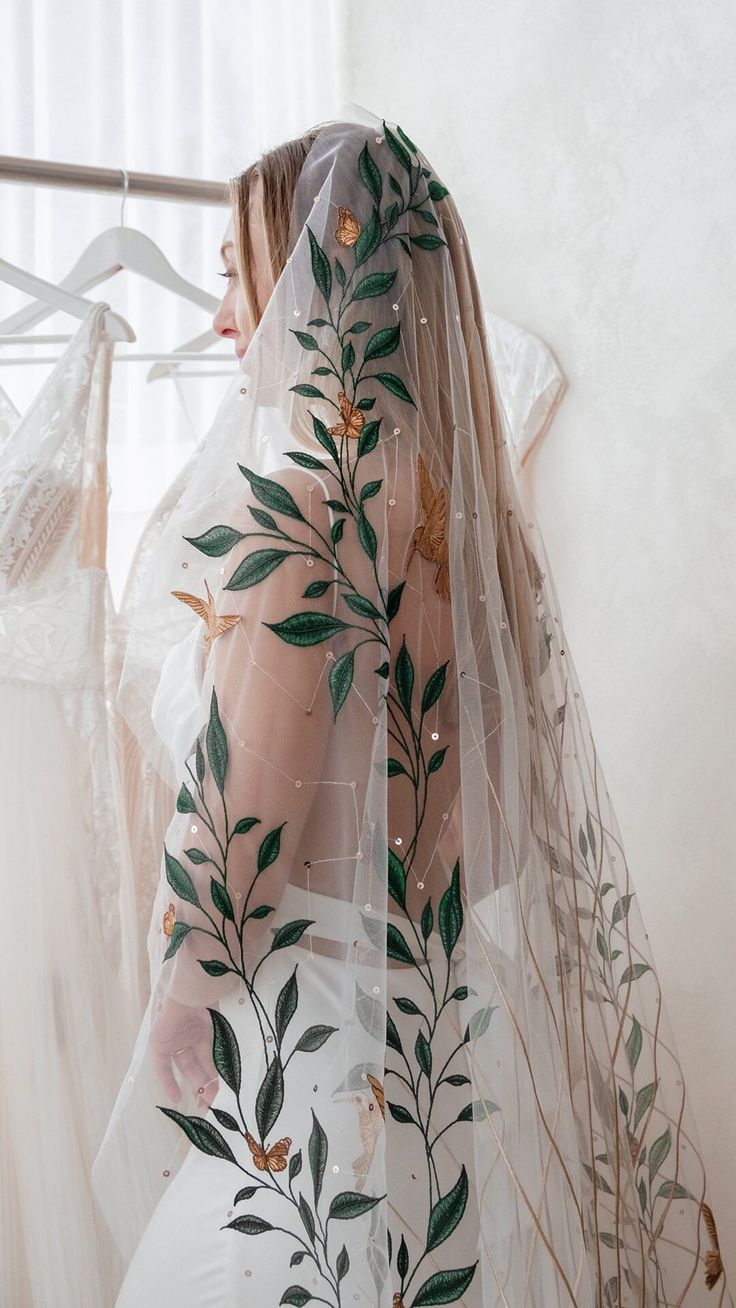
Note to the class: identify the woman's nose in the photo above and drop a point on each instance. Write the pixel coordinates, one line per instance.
(224, 320)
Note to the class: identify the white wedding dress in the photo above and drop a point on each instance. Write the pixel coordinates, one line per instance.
(68, 999)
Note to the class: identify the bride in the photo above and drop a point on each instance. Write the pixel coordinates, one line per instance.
(405, 1044)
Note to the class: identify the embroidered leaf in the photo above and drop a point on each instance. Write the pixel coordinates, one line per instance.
(322, 435)
(598, 1179)
(322, 372)
(434, 687)
(357, 328)
(221, 899)
(177, 935)
(374, 284)
(450, 915)
(317, 1157)
(306, 341)
(395, 186)
(427, 241)
(305, 460)
(644, 1098)
(405, 246)
(203, 1135)
(370, 174)
(382, 343)
(262, 911)
(248, 1225)
(350, 1204)
(289, 933)
(393, 1040)
(243, 825)
(658, 1152)
(197, 856)
(479, 1022)
(408, 1006)
(405, 678)
(213, 967)
(633, 1044)
(634, 972)
(307, 628)
(368, 438)
(262, 518)
(362, 606)
(295, 1165)
(318, 322)
(286, 1005)
(270, 1097)
(216, 745)
(393, 384)
(402, 1259)
(392, 215)
(348, 356)
(225, 1051)
(367, 536)
(370, 489)
(314, 1037)
(336, 530)
(400, 1114)
(217, 541)
(437, 760)
(396, 946)
(423, 1054)
(179, 879)
(307, 1217)
(341, 679)
(199, 756)
(478, 1111)
(394, 600)
(246, 1193)
(226, 1119)
(366, 403)
(447, 1212)
(437, 191)
(184, 802)
(320, 266)
(399, 150)
(461, 993)
(406, 139)
(272, 494)
(295, 1295)
(340, 275)
(369, 239)
(396, 877)
(621, 908)
(428, 217)
(342, 1265)
(309, 391)
(457, 1080)
(427, 920)
(256, 567)
(383, 670)
(338, 506)
(270, 847)
(672, 1190)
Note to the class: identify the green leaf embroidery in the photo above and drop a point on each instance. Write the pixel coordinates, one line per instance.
(444, 1287)
(322, 435)
(313, 1039)
(423, 1054)
(296, 1295)
(437, 759)
(213, 967)
(320, 266)
(270, 1097)
(225, 1051)
(658, 1152)
(216, 745)
(309, 391)
(434, 687)
(289, 933)
(341, 679)
(306, 341)
(450, 915)
(203, 1135)
(374, 284)
(249, 1225)
(197, 856)
(394, 600)
(447, 1212)
(393, 384)
(368, 438)
(179, 932)
(179, 879)
(256, 567)
(370, 174)
(405, 678)
(362, 606)
(427, 242)
(357, 328)
(217, 541)
(382, 343)
(243, 825)
(399, 150)
(185, 802)
(262, 518)
(369, 239)
(367, 536)
(350, 1204)
(396, 878)
(437, 191)
(317, 1156)
(427, 920)
(348, 356)
(307, 628)
(226, 1119)
(272, 494)
(270, 847)
(286, 1004)
(342, 1266)
(305, 460)
(633, 1044)
(221, 899)
(396, 946)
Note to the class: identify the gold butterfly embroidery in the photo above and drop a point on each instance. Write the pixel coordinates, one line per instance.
(353, 419)
(430, 536)
(397, 1301)
(348, 227)
(215, 623)
(269, 1160)
(713, 1263)
(169, 920)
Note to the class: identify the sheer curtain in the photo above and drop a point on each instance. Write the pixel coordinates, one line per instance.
(181, 87)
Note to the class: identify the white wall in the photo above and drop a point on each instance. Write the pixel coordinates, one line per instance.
(591, 150)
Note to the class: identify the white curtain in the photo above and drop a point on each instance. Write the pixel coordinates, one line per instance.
(182, 87)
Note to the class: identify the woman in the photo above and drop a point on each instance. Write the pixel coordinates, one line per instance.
(405, 1031)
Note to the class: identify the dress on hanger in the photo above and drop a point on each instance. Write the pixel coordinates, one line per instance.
(68, 998)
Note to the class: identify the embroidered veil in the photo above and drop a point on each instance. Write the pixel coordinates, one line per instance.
(404, 1012)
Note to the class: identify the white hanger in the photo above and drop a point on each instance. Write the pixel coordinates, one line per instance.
(57, 297)
(114, 250)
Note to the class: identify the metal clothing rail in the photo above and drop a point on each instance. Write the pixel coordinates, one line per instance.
(83, 177)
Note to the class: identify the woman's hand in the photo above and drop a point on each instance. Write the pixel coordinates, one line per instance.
(181, 1039)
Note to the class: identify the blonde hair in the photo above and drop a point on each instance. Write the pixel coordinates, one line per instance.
(279, 171)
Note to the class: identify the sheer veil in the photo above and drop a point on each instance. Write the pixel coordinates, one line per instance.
(388, 763)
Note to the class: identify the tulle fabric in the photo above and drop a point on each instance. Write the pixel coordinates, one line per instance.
(68, 997)
(386, 777)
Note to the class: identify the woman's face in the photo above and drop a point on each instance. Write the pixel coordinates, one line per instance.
(233, 319)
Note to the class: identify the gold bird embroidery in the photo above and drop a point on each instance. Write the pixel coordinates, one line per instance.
(370, 1126)
(353, 419)
(377, 1089)
(430, 536)
(348, 227)
(713, 1263)
(269, 1160)
(216, 624)
(169, 920)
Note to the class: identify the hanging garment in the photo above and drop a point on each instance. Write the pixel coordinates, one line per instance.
(406, 1044)
(67, 1000)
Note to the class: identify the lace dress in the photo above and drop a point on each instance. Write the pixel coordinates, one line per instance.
(68, 1001)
